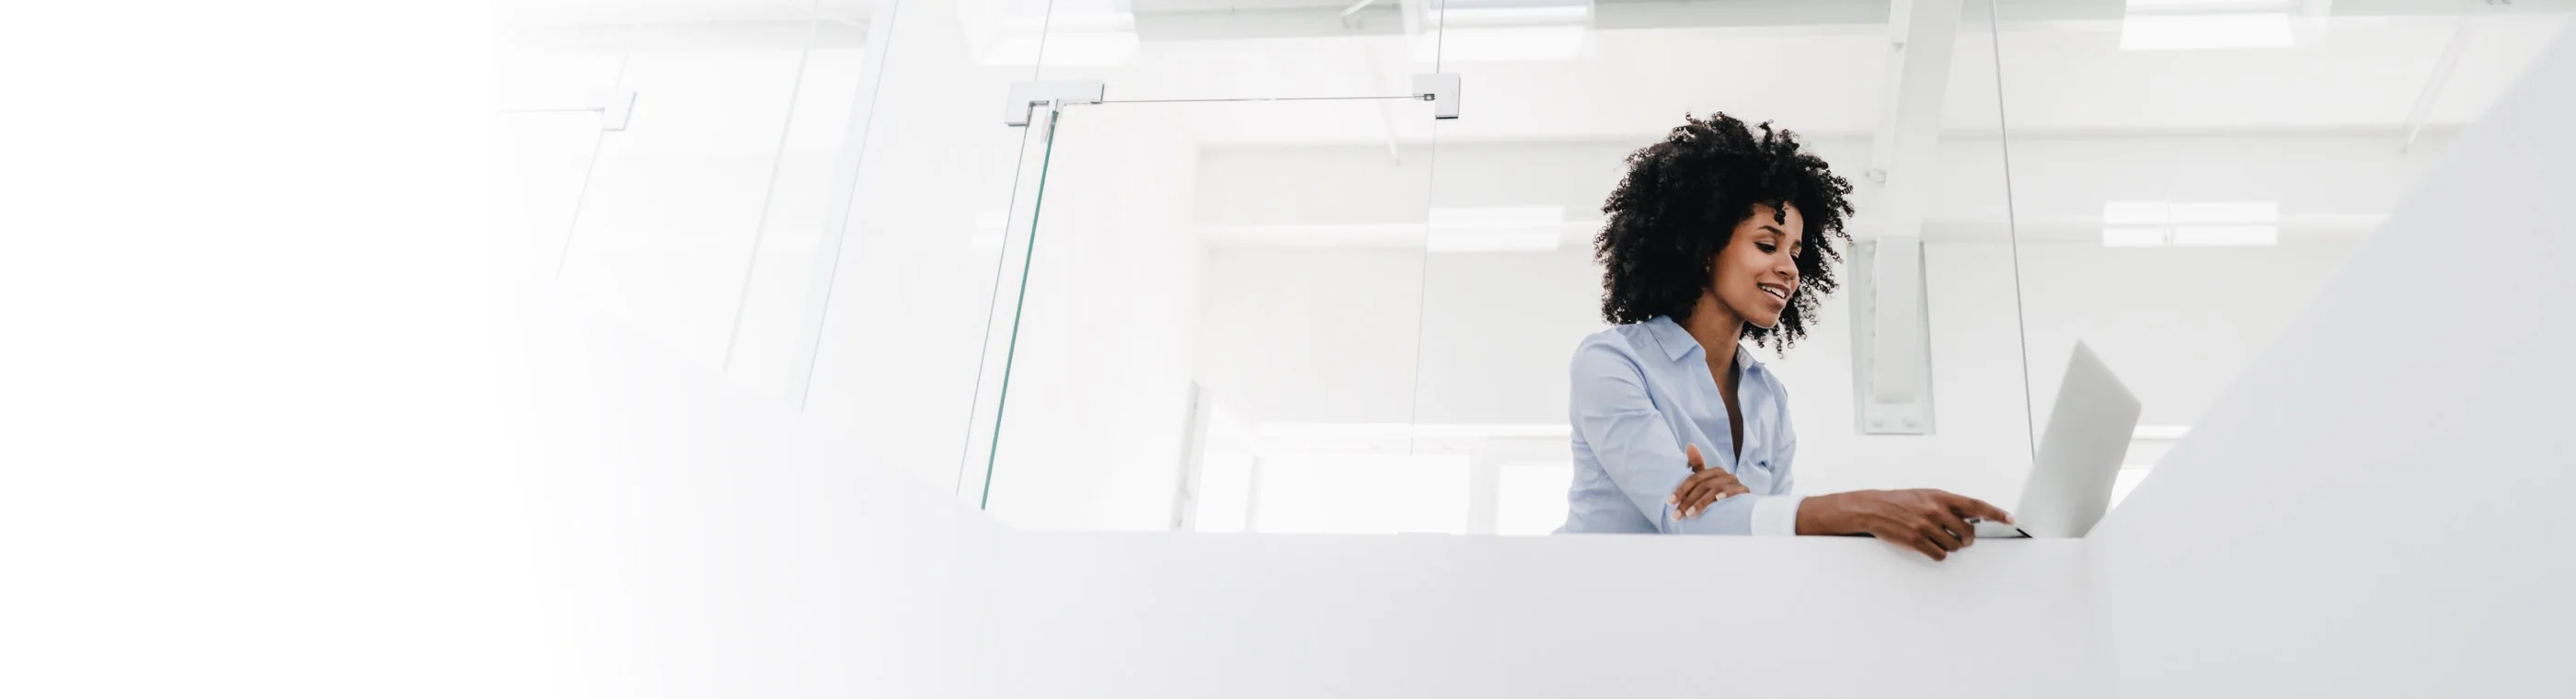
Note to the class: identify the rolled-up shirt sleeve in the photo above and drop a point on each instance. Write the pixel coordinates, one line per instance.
(1636, 447)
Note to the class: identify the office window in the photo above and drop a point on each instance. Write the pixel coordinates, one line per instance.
(1530, 497)
(1362, 494)
(2128, 480)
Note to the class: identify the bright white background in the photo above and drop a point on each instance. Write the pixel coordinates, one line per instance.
(255, 404)
(252, 441)
(1304, 266)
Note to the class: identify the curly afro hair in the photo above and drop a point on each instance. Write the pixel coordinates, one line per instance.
(1680, 204)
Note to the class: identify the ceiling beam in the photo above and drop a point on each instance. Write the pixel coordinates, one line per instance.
(1892, 351)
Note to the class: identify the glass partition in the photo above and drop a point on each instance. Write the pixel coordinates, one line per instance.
(777, 302)
(673, 206)
(913, 253)
(550, 67)
(672, 164)
(1345, 316)
(1197, 272)
(2187, 177)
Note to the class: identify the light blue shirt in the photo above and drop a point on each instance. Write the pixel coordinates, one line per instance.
(1641, 391)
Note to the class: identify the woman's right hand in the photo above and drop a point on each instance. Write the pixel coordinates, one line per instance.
(1931, 521)
(1704, 486)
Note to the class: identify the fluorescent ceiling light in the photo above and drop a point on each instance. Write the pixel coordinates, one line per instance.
(2225, 236)
(1453, 12)
(2226, 212)
(2160, 432)
(2157, 213)
(2157, 32)
(2130, 224)
(1087, 38)
(1502, 44)
(1378, 430)
(2137, 213)
(1495, 228)
(1503, 30)
(1496, 216)
(2205, 5)
(2135, 237)
(1491, 241)
(1567, 12)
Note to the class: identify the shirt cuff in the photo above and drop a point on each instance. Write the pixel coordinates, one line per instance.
(1776, 515)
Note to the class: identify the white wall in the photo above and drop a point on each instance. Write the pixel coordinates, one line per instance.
(696, 539)
(2179, 325)
(1193, 615)
(2370, 510)
(904, 324)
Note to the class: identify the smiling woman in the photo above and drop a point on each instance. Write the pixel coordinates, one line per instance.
(1671, 216)
(1717, 235)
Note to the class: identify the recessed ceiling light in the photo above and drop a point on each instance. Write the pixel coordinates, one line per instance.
(1495, 228)
(1503, 30)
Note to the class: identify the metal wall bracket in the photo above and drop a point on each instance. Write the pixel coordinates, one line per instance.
(614, 106)
(1027, 95)
(1441, 90)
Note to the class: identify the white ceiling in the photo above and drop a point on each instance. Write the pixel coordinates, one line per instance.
(2363, 73)
(1816, 66)
(2328, 117)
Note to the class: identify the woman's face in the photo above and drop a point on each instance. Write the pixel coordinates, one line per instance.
(1757, 273)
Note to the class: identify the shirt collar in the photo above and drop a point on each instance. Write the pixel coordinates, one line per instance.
(1678, 343)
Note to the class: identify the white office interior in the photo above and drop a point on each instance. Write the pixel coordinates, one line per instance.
(1236, 366)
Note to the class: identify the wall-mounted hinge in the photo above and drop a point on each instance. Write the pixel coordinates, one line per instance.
(614, 106)
(1441, 90)
(1028, 95)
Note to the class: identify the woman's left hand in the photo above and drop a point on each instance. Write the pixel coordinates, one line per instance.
(1704, 486)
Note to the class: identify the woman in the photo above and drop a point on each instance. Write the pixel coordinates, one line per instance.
(1718, 235)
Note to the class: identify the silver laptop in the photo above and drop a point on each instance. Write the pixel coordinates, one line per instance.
(2079, 456)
